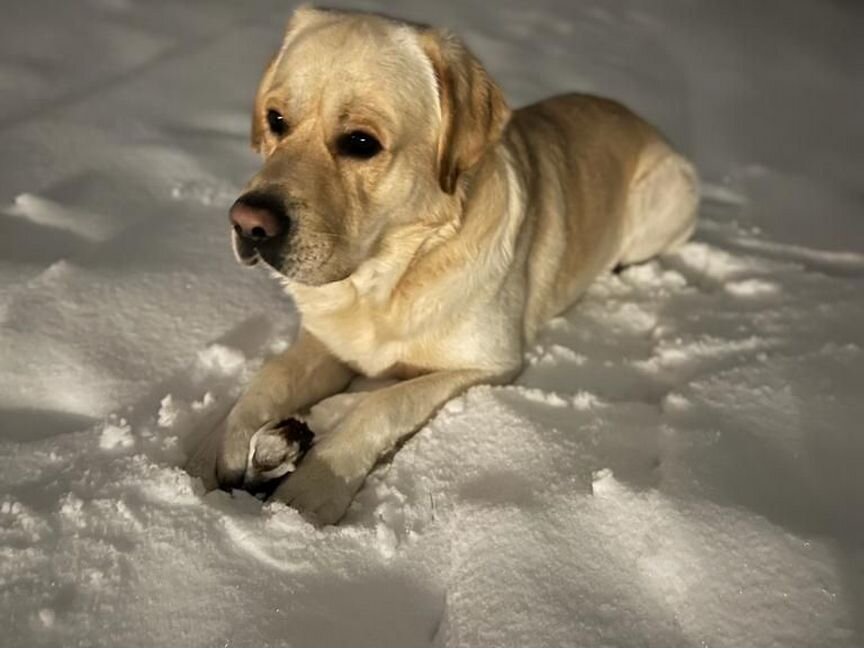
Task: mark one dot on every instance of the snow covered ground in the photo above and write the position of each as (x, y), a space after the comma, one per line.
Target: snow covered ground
(681, 463)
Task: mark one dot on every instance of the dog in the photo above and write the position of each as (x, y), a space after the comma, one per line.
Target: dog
(425, 232)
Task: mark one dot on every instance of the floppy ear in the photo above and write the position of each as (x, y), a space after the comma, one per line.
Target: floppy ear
(473, 109)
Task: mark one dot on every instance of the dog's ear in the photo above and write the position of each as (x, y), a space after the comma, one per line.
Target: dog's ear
(302, 16)
(473, 109)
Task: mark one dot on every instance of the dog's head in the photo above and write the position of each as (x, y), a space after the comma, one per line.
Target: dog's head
(368, 126)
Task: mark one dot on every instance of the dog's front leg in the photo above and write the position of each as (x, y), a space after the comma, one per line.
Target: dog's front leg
(329, 476)
(304, 374)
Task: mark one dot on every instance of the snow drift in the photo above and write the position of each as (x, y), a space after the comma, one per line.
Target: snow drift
(679, 463)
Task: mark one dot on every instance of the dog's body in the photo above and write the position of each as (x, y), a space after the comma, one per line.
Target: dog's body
(498, 223)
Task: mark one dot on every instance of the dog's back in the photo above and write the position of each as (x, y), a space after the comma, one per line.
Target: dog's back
(587, 163)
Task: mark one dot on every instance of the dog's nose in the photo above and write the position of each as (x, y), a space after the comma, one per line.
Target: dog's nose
(258, 216)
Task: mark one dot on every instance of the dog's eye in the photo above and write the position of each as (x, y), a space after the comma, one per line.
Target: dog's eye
(358, 144)
(276, 123)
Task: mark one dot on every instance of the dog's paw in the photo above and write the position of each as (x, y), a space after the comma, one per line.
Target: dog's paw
(232, 455)
(250, 458)
(274, 451)
(248, 421)
(322, 486)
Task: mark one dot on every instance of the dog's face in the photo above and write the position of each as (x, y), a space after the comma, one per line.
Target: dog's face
(358, 120)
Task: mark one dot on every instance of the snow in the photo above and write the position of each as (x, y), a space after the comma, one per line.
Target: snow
(679, 463)
(116, 435)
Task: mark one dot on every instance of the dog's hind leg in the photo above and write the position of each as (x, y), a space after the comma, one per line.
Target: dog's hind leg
(661, 206)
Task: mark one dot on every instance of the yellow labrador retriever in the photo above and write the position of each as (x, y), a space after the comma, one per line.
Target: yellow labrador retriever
(425, 231)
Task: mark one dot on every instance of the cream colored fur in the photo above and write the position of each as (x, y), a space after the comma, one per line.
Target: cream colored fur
(438, 263)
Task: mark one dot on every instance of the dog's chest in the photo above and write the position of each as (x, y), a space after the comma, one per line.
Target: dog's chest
(437, 328)
(373, 342)
(399, 343)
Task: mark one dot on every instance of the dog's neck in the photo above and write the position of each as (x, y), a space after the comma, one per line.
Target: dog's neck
(410, 248)
(374, 280)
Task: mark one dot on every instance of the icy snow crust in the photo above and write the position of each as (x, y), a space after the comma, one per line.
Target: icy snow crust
(679, 464)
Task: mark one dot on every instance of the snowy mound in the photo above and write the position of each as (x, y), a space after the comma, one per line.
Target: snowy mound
(679, 464)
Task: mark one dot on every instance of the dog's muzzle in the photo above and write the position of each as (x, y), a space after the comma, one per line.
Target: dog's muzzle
(261, 224)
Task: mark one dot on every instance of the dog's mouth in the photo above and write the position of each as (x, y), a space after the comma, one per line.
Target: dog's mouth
(244, 250)
(313, 268)
(250, 252)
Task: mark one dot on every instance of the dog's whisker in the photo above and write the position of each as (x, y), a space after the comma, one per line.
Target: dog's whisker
(332, 235)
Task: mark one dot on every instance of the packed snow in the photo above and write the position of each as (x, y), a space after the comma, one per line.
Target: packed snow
(680, 462)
